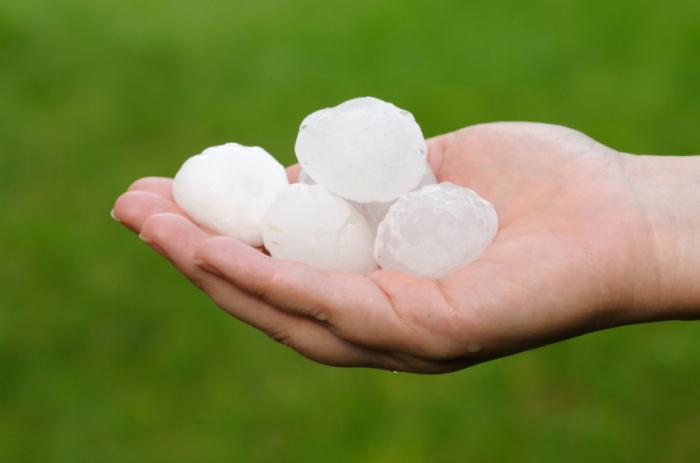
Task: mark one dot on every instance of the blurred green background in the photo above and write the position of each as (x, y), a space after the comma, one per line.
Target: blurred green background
(108, 355)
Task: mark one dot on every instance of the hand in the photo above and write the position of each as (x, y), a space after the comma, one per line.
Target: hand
(574, 231)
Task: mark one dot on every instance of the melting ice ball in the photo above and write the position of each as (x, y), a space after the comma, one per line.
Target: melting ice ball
(305, 178)
(374, 212)
(430, 231)
(309, 224)
(363, 150)
(229, 188)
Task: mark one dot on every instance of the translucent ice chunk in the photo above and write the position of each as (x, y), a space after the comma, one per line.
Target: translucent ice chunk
(309, 224)
(305, 178)
(228, 189)
(364, 150)
(428, 177)
(430, 231)
(375, 212)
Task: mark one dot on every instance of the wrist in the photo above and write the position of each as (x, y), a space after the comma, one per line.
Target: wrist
(667, 188)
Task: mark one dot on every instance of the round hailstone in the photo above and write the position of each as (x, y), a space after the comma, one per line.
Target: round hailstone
(228, 189)
(363, 150)
(309, 224)
(305, 178)
(374, 212)
(430, 231)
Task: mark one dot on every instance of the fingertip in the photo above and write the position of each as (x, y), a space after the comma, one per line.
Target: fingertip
(113, 215)
(144, 183)
(159, 226)
(122, 205)
(162, 186)
(128, 209)
(133, 208)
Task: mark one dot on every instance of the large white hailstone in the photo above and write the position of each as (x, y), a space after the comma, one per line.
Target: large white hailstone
(309, 224)
(364, 150)
(229, 188)
(374, 212)
(430, 231)
(305, 178)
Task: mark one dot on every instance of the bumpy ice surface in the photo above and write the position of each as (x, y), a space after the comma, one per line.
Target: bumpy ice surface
(430, 231)
(309, 224)
(374, 212)
(229, 188)
(363, 150)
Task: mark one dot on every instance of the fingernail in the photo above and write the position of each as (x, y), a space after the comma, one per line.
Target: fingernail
(149, 242)
(114, 216)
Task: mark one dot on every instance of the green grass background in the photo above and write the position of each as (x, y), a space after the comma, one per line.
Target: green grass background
(109, 355)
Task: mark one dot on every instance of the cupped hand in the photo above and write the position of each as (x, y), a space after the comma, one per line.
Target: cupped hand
(572, 230)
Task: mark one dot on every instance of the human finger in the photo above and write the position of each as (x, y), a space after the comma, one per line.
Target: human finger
(176, 238)
(133, 208)
(352, 306)
(162, 186)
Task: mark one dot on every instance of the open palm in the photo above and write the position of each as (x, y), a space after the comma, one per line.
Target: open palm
(557, 268)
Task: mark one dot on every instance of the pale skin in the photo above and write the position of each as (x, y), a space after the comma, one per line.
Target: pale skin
(589, 238)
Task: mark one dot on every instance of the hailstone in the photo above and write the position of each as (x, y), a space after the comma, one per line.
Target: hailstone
(365, 150)
(305, 178)
(374, 212)
(309, 224)
(229, 188)
(430, 231)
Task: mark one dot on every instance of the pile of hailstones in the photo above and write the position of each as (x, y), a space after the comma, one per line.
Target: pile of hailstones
(366, 196)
